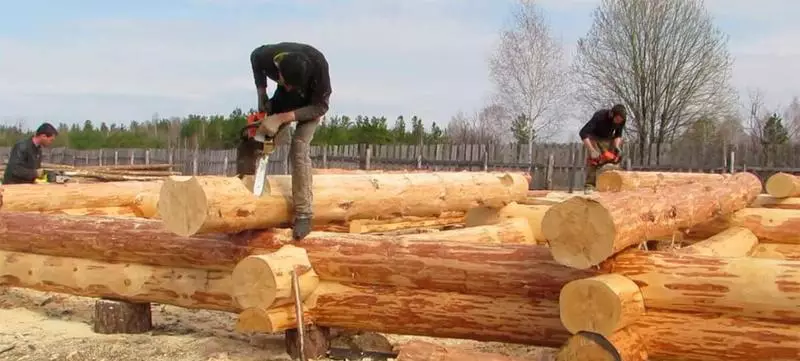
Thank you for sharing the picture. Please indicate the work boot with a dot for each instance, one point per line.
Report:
(301, 228)
(588, 189)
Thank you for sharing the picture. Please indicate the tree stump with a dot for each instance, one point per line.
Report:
(316, 342)
(112, 316)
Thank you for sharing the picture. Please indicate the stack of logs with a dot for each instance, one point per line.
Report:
(497, 263)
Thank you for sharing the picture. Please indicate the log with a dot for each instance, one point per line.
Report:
(623, 345)
(389, 225)
(266, 280)
(742, 286)
(732, 242)
(460, 266)
(711, 337)
(487, 216)
(512, 319)
(789, 252)
(112, 317)
(783, 185)
(768, 201)
(48, 197)
(259, 319)
(184, 287)
(105, 211)
(770, 225)
(426, 351)
(619, 180)
(193, 205)
(509, 231)
(584, 231)
(602, 304)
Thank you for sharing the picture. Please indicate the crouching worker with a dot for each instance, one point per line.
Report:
(602, 137)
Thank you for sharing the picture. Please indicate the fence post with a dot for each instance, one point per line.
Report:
(733, 162)
(147, 156)
(550, 165)
(485, 154)
(571, 172)
(325, 156)
(133, 155)
(225, 165)
(367, 156)
(116, 157)
(100, 158)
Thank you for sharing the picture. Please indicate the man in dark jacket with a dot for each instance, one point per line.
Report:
(602, 133)
(302, 96)
(25, 162)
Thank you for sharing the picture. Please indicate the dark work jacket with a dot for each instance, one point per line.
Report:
(25, 158)
(602, 126)
(316, 94)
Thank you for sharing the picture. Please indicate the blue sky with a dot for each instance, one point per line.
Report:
(120, 61)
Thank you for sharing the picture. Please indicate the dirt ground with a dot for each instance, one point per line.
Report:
(56, 327)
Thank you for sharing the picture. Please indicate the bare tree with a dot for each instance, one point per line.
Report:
(528, 71)
(664, 60)
(791, 115)
(490, 125)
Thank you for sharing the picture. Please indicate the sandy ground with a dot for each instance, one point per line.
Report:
(50, 326)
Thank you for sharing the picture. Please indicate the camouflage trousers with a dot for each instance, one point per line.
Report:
(302, 171)
(591, 171)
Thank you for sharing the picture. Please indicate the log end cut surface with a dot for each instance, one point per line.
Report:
(183, 205)
(580, 232)
(783, 185)
(601, 304)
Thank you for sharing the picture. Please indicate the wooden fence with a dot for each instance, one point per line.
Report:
(554, 166)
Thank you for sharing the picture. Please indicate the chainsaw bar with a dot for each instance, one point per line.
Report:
(347, 354)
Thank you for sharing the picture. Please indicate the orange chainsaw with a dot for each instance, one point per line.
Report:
(260, 180)
(608, 156)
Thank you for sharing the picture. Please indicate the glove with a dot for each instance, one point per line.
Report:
(594, 154)
(270, 126)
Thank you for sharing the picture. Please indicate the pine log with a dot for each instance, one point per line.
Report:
(104, 211)
(619, 180)
(584, 231)
(111, 317)
(783, 185)
(487, 216)
(711, 337)
(184, 287)
(602, 304)
(259, 319)
(48, 197)
(146, 204)
(732, 242)
(394, 224)
(768, 201)
(429, 262)
(509, 231)
(511, 319)
(266, 280)
(770, 225)
(790, 252)
(742, 286)
(624, 345)
(192, 205)
(426, 351)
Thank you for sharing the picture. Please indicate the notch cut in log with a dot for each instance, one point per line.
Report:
(602, 304)
(389, 225)
(533, 213)
(770, 225)
(619, 180)
(741, 286)
(585, 231)
(732, 242)
(783, 185)
(209, 204)
(111, 317)
(265, 280)
(48, 197)
(623, 345)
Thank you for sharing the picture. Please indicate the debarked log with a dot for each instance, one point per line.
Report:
(209, 204)
(770, 225)
(50, 197)
(619, 180)
(584, 231)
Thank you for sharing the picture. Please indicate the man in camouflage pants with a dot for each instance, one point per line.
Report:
(302, 96)
(601, 133)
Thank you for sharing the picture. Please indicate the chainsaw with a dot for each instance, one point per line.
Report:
(260, 180)
(607, 157)
(53, 176)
